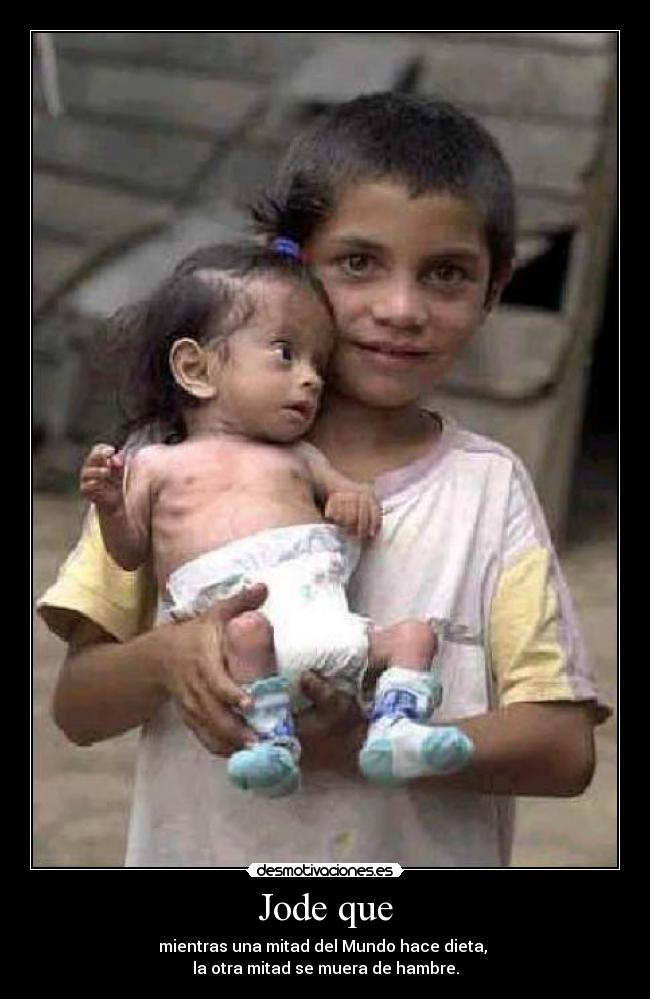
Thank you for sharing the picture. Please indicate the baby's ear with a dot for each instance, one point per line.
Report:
(192, 368)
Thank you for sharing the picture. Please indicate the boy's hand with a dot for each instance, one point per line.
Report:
(332, 730)
(357, 511)
(195, 672)
(101, 478)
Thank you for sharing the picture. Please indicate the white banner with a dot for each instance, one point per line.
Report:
(327, 869)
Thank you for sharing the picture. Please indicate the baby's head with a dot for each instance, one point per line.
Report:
(236, 339)
(428, 146)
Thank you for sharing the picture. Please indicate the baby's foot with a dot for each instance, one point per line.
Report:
(399, 746)
(270, 767)
(403, 750)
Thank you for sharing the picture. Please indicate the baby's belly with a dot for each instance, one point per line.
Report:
(180, 539)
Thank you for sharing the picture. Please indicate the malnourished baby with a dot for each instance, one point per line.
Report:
(231, 355)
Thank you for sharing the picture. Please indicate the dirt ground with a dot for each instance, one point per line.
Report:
(81, 796)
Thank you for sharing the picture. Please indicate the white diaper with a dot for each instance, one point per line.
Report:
(306, 569)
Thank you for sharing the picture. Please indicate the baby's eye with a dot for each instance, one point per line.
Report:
(356, 264)
(284, 351)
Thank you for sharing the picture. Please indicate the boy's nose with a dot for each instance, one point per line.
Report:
(400, 303)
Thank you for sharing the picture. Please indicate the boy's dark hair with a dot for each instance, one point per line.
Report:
(201, 299)
(429, 145)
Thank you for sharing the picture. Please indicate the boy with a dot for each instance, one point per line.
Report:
(404, 208)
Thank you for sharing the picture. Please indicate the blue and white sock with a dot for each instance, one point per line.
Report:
(400, 745)
(270, 766)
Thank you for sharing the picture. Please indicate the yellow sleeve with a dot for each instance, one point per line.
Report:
(536, 647)
(91, 585)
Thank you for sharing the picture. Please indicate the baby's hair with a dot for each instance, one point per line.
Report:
(205, 298)
(431, 146)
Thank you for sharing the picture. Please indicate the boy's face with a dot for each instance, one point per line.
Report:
(269, 384)
(408, 280)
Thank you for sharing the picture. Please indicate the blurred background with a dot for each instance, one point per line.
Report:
(147, 144)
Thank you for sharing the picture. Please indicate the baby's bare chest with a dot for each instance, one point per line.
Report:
(203, 477)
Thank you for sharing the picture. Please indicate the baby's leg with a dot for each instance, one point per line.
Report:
(411, 644)
(399, 744)
(269, 766)
(251, 655)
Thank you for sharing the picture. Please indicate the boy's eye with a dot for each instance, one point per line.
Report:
(284, 351)
(446, 272)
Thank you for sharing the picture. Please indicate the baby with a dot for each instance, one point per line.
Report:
(230, 359)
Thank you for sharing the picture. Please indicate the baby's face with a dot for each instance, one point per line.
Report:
(271, 380)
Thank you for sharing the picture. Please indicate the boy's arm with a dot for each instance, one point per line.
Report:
(122, 496)
(540, 749)
(539, 740)
(352, 505)
(523, 749)
(112, 681)
(107, 687)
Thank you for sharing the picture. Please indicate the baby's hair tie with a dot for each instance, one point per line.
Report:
(287, 248)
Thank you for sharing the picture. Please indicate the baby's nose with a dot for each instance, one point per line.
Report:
(310, 378)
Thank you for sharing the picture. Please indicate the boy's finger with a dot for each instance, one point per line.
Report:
(330, 706)
(332, 510)
(220, 688)
(233, 695)
(319, 691)
(209, 679)
(346, 515)
(364, 521)
(249, 599)
(222, 744)
(226, 727)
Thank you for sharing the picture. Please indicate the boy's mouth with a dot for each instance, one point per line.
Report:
(398, 351)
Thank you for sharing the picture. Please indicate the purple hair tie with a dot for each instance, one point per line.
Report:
(286, 247)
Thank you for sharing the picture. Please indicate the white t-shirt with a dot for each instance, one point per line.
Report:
(463, 544)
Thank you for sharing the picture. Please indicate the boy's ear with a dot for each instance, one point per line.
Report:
(192, 368)
(498, 283)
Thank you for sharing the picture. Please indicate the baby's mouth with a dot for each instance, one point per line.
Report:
(304, 409)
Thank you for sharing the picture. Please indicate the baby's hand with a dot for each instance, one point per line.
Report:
(101, 478)
(355, 510)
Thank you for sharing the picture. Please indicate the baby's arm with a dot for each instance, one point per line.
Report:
(124, 509)
(351, 505)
